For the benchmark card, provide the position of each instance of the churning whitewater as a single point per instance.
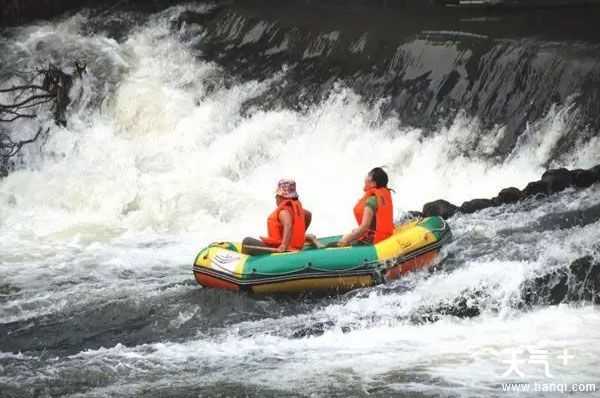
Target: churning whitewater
(166, 151)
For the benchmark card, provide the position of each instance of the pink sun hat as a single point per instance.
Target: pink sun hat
(287, 189)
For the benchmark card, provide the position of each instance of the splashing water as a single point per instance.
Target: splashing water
(99, 225)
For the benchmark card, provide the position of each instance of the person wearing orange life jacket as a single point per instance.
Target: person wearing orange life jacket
(374, 212)
(286, 225)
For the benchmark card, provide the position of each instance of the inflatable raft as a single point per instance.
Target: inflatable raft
(413, 245)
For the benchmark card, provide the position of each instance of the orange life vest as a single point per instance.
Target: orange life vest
(275, 228)
(384, 217)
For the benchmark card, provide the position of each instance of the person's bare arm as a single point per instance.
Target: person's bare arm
(307, 218)
(285, 218)
(364, 226)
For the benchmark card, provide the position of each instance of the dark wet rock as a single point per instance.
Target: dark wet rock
(579, 282)
(464, 306)
(440, 208)
(552, 181)
(549, 289)
(196, 18)
(474, 205)
(414, 214)
(584, 178)
(557, 180)
(317, 329)
(535, 189)
(586, 284)
(508, 195)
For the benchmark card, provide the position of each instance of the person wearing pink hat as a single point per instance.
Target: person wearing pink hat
(286, 225)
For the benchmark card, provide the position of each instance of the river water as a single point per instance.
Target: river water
(176, 137)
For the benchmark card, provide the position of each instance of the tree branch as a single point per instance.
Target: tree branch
(18, 116)
(14, 147)
(20, 104)
(35, 88)
(17, 88)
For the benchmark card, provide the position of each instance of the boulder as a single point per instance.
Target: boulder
(476, 204)
(596, 170)
(584, 178)
(553, 180)
(534, 188)
(579, 282)
(557, 179)
(508, 195)
(440, 208)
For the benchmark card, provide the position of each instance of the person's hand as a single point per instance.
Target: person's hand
(282, 248)
(343, 242)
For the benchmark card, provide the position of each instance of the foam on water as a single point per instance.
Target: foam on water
(169, 155)
(116, 205)
(467, 355)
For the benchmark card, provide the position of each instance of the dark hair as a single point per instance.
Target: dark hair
(379, 176)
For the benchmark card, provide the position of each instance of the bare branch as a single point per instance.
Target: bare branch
(48, 87)
(18, 116)
(17, 88)
(20, 104)
(37, 103)
(15, 147)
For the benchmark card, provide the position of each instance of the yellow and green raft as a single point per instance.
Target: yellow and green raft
(413, 245)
